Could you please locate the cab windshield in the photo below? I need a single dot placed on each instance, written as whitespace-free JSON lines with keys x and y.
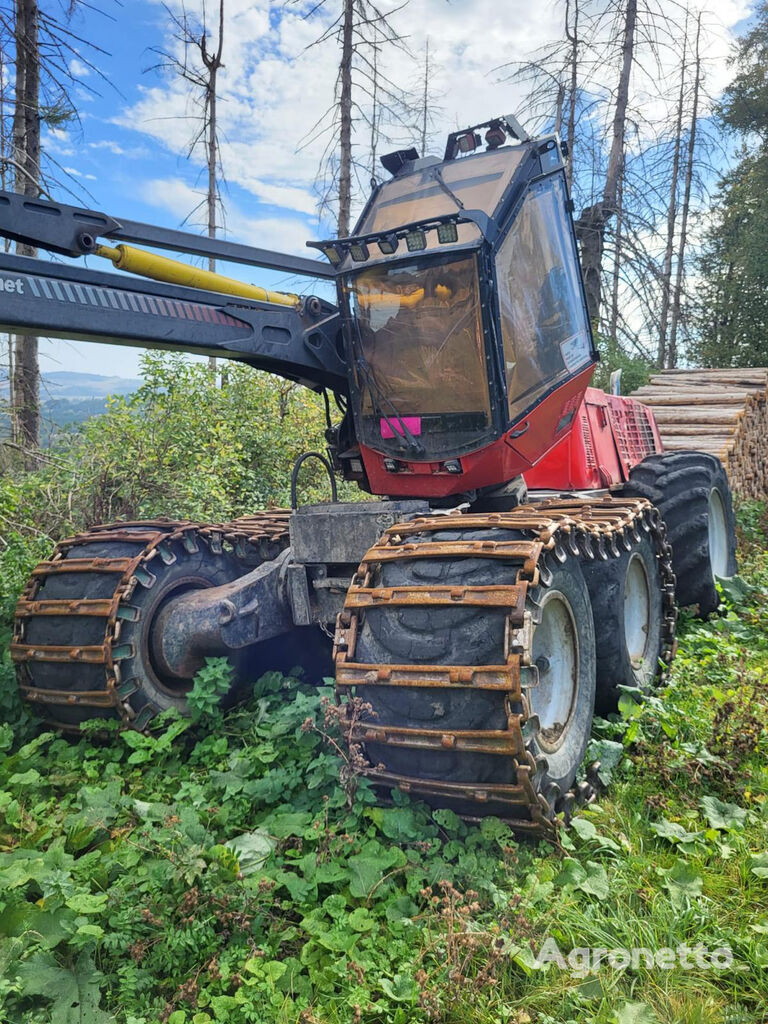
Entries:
{"x":420,"y":362}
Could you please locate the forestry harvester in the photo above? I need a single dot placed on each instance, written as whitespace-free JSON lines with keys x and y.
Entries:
{"x":529,"y":543}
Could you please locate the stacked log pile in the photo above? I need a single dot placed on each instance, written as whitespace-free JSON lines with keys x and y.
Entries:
{"x":723,"y":412}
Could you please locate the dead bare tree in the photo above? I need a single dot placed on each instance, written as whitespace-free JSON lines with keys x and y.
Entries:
{"x":39,"y":46}
{"x":572,"y":35}
{"x":671,"y":359}
{"x":6,"y":368}
{"x":345,"y":116}
{"x":364,"y":93}
{"x":428,"y":109}
{"x":591,"y":225}
{"x":197,"y":59}
{"x":666,"y":293}
{"x":617,"y":259}
{"x":25,"y":419}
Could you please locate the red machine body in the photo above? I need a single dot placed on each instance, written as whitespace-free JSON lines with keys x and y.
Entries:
{"x":578,"y":438}
{"x":609,"y":436}
{"x":511,"y":455}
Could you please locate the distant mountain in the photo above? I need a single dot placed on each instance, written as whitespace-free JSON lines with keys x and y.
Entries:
{"x":78,"y":386}
{"x":68,"y":398}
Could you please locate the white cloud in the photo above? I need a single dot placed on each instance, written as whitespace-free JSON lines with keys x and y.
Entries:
{"x":109,"y":144}
{"x":173,"y":195}
{"x":77,"y":69}
{"x":179,"y":199}
{"x":275,"y":86}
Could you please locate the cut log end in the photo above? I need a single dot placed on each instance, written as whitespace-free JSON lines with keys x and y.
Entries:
{"x":723,"y":412}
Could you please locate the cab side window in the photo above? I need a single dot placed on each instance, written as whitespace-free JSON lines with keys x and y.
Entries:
{"x":544,"y":327}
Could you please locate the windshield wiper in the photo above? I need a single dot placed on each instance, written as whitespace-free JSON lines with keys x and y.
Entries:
{"x":375,"y":390}
{"x":447,"y":189}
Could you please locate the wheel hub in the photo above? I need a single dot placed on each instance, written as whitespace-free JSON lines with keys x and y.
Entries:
{"x":718,"y":534}
{"x":637,"y":610}
{"x":556,"y":654}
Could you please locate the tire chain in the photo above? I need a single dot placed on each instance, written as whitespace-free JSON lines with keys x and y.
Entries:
{"x":251,"y":539}
{"x":588,"y":529}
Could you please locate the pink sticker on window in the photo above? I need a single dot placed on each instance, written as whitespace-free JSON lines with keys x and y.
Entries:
{"x":392,"y":426}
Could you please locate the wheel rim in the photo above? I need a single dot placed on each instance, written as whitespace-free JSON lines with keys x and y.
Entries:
{"x":555,"y":652}
{"x":718,"y":534}
{"x":637,"y":610}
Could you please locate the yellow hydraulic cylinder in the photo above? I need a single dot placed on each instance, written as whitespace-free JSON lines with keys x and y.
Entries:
{"x":161,"y":268}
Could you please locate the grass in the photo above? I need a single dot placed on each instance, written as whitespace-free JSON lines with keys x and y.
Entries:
{"x":215,"y":872}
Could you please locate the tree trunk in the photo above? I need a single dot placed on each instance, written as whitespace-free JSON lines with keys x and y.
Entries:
{"x":374,"y":106}
{"x":26,"y":155}
{"x":590,"y":227}
{"x":425,"y":102}
{"x":666,"y":274}
{"x":345,"y":111}
{"x":211,"y":153}
{"x":573,"y":39}
{"x":4,"y":152}
{"x":691,"y":155}
{"x":213,"y":63}
{"x":614,"y":326}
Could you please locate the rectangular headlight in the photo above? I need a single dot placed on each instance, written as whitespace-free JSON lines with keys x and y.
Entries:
{"x":447,"y":233}
{"x":416,"y":240}
{"x":359,"y":252}
{"x":333,"y":252}
{"x":388,"y":244}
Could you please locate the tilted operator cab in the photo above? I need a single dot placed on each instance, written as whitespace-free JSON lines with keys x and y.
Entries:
{"x":462,"y":302}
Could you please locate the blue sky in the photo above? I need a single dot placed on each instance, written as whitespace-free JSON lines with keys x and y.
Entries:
{"x":129,"y":158}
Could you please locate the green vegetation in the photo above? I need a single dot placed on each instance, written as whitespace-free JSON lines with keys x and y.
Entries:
{"x":217,"y":870}
{"x":635,"y":370}
{"x":179,"y":446}
{"x":733,"y":297}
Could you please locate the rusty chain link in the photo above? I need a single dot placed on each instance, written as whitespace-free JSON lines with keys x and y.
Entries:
{"x":588,"y":529}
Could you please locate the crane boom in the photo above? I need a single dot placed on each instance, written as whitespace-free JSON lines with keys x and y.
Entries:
{"x":292,"y":336}
{"x":38,"y":297}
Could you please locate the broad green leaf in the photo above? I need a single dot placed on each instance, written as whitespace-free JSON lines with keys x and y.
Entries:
{"x":583,"y":828}
{"x":331,"y":871}
{"x":360,"y":920}
{"x":596,"y":882}
{"x":758,"y":865}
{"x":274,"y":969}
{"x":722,"y":815}
{"x":87,"y":903}
{"x":682,"y":883}
{"x":252,"y":849}
{"x":74,"y":994}
{"x":364,"y":873}
{"x":335,"y":906}
{"x":636,"y":1013}
{"x":367,"y":868}
{"x":493,"y":828}
{"x":401,"y":989}
{"x":674,"y":832}
{"x":224,"y":1008}
{"x":287,"y":824}
{"x":29,"y":778}
{"x":299,"y":888}
{"x":450,"y":821}
{"x":590,"y":879}
{"x":398,"y":823}
{"x":609,"y":753}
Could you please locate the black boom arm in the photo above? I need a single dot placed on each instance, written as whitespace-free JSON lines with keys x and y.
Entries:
{"x":63,"y":300}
